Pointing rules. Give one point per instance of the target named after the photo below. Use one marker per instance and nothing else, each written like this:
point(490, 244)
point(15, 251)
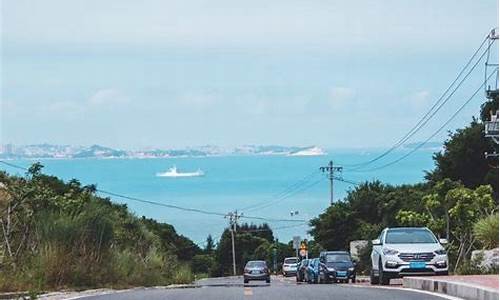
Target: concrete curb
point(71, 294)
point(451, 288)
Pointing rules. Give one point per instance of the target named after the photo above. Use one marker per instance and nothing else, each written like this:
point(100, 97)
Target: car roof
point(335, 252)
point(406, 228)
point(259, 261)
point(292, 257)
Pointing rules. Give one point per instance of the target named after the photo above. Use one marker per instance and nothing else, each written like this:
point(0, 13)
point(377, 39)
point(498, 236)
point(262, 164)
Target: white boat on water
point(173, 172)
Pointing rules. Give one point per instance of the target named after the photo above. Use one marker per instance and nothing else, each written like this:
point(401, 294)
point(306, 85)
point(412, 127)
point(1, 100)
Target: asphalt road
point(279, 289)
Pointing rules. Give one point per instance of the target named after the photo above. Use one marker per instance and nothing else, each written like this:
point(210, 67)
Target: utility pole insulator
point(330, 170)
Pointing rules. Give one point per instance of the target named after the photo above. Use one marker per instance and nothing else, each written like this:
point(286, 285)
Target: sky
point(146, 74)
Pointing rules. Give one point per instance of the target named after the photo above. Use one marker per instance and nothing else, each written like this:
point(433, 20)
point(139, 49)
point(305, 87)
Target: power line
point(341, 179)
point(435, 133)
point(188, 209)
point(196, 210)
point(433, 110)
point(13, 165)
point(295, 192)
point(290, 189)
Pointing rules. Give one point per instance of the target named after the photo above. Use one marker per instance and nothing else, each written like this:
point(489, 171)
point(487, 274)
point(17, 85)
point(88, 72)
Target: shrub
point(486, 231)
point(202, 263)
point(183, 274)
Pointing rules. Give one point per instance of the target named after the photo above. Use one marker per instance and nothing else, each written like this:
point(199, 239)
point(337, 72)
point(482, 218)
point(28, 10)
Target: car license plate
point(417, 265)
point(342, 273)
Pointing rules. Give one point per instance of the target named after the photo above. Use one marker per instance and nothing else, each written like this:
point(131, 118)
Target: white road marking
point(404, 289)
point(248, 291)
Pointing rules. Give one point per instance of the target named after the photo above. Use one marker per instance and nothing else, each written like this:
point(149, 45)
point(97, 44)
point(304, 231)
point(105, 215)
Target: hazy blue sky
point(138, 74)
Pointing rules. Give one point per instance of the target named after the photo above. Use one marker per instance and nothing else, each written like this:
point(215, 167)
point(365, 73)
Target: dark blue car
point(336, 266)
point(311, 275)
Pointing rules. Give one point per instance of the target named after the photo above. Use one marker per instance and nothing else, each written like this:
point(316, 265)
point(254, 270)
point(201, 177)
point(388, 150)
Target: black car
point(256, 270)
point(337, 266)
point(301, 269)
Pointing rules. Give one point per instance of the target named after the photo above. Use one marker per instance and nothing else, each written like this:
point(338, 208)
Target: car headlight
point(388, 251)
point(440, 252)
point(330, 269)
point(351, 269)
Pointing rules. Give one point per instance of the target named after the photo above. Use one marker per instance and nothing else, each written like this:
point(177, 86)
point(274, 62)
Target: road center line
point(248, 291)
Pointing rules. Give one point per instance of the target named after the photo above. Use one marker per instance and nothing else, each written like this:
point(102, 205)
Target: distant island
point(50, 151)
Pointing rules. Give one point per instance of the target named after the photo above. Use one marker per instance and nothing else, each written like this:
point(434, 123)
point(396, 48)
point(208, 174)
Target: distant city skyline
point(133, 75)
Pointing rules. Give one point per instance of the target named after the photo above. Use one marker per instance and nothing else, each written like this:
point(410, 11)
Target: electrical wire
point(432, 111)
point(187, 209)
point(291, 188)
point(295, 192)
point(420, 145)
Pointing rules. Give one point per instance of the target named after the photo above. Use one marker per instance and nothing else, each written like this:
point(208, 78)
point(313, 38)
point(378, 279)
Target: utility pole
point(330, 169)
point(491, 126)
point(233, 220)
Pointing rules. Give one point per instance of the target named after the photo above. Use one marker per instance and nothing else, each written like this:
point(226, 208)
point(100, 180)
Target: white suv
point(407, 251)
point(290, 265)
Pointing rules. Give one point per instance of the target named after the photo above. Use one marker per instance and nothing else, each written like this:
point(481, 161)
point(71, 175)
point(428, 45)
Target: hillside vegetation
point(56, 235)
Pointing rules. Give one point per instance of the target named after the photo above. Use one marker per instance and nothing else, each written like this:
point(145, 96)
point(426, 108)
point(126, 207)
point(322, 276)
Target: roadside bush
point(183, 274)
point(364, 265)
point(202, 263)
point(473, 267)
point(486, 231)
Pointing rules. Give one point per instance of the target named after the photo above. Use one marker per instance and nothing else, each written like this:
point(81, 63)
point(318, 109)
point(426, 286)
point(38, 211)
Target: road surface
point(279, 289)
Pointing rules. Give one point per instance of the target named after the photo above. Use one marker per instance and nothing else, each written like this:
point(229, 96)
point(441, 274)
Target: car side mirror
point(376, 242)
point(443, 241)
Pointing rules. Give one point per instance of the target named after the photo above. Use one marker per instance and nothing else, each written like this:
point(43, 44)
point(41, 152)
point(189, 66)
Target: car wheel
point(373, 278)
point(383, 279)
point(245, 280)
point(353, 280)
point(268, 280)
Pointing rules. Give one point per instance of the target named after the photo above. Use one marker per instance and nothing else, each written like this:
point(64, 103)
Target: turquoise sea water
point(231, 182)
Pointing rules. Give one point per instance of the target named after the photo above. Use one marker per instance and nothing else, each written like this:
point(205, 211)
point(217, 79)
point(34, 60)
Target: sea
point(283, 191)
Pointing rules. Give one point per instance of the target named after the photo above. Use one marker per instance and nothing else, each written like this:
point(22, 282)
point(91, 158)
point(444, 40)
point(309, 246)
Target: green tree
point(470, 206)
point(209, 248)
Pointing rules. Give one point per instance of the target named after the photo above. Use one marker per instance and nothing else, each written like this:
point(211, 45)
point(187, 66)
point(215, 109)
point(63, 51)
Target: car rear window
point(290, 260)
point(255, 264)
point(338, 257)
point(409, 236)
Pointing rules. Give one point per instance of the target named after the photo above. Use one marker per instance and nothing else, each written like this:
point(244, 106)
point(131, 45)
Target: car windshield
point(338, 257)
point(290, 260)
point(409, 236)
point(256, 264)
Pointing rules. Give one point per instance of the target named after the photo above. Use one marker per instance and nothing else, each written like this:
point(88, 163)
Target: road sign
point(303, 252)
point(296, 242)
point(303, 246)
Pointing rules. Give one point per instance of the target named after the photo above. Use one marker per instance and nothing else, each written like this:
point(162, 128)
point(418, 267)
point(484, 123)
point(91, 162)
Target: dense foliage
point(56, 234)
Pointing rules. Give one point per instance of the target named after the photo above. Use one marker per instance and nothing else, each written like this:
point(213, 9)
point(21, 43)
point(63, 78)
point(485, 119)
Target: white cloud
point(108, 97)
